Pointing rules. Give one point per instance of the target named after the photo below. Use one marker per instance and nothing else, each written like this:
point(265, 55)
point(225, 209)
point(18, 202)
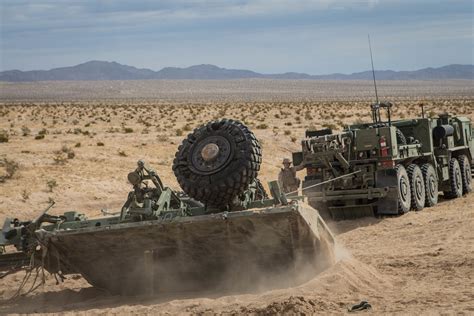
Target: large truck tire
point(217, 162)
point(455, 180)
point(465, 174)
point(417, 187)
point(431, 184)
point(403, 188)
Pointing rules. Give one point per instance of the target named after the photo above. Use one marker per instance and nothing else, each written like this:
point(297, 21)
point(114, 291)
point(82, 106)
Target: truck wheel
point(417, 187)
point(455, 180)
point(217, 162)
point(466, 174)
point(431, 184)
point(403, 187)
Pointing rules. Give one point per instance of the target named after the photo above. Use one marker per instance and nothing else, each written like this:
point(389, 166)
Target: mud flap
point(351, 211)
point(388, 204)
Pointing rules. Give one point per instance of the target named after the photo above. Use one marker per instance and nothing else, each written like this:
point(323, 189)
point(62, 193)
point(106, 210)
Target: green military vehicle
point(387, 167)
point(222, 232)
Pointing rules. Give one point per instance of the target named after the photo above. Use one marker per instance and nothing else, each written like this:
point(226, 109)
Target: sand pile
point(345, 283)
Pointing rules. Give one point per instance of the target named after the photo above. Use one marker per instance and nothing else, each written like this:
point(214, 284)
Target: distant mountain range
point(104, 70)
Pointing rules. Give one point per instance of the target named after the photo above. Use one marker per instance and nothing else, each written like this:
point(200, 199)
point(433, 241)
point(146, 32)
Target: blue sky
point(269, 36)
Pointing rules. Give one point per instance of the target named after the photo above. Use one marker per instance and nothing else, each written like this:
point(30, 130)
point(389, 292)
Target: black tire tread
point(465, 166)
point(400, 209)
point(425, 170)
point(453, 192)
point(220, 190)
point(416, 205)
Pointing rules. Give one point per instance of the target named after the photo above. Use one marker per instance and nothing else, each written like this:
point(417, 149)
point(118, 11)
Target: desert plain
point(75, 142)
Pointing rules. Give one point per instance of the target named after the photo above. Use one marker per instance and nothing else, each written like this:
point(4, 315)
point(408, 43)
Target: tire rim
point(404, 189)
point(432, 186)
point(211, 155)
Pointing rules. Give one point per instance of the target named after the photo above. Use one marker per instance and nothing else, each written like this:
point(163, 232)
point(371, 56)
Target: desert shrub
point(187, 128)
point(113, 130)
point(59, 158)
point(25, 131)
point(293, 139)
point(262, 126)
point(163, 138)
point(10, 167)
point(77, 145)
point(179, 132)
point(43, 131)
point(122, 153)
point(25, 195)
point(128, 130)
point(287, 132)
point(68, 151)
point(51, 184)
point(39, 136)
point(4, 136)
point(100, 144)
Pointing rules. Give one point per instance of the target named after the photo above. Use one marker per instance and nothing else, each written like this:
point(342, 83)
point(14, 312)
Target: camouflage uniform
point(287, 178)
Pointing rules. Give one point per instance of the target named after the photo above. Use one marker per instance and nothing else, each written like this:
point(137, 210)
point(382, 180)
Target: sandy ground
point(419, 263)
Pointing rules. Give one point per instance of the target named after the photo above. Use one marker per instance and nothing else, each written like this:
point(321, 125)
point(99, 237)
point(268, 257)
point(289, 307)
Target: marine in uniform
point(287, 178)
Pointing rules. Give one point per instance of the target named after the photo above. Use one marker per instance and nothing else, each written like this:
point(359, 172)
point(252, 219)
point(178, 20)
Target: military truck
point(222, 232)
point(391, 166)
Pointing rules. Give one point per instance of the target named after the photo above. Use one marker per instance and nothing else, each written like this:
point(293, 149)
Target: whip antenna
point(373, 71)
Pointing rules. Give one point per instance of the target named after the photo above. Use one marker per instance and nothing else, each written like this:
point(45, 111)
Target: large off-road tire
point(465, 174)
point(417, 187)
point(217, 162)
point(431, 184)
point(403, 188)
point(455, 180)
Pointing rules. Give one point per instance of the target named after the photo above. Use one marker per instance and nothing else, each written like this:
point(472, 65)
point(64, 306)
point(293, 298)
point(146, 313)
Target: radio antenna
point(373, 71)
